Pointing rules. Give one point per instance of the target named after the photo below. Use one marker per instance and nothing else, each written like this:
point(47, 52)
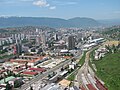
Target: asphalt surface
point(84, 71)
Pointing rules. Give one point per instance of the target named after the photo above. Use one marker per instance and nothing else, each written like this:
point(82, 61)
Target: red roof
point(30, 73)
point(90, 87)
point(1, 71)
point(37, 69)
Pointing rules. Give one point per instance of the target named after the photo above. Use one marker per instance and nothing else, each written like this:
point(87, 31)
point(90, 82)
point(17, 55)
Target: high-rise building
point(43, 38)
point(22, 36)
point(18, 47)
point(37, 30)
point(38, 40)
point(56, 37)
point(71, 42)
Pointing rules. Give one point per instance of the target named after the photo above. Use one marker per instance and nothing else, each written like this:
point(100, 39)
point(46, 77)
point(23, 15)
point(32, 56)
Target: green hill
point(108, 69)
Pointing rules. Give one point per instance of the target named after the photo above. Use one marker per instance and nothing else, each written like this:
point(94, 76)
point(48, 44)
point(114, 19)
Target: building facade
point(71, 42)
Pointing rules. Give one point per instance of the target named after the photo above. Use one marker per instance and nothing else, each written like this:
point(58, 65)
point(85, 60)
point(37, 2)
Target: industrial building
point(31, 60)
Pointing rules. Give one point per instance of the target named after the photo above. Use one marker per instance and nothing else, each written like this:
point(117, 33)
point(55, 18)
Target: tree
point(62, 69)
point(118, 46)
point(49, 76)
point(54, 73)
point(10, 73)
point(17, 84)
point(31, 88)
point(18, 75)
point(43, 54)
point(8, 86)
point(107, 47)
point(71, 55)
point(113, 48)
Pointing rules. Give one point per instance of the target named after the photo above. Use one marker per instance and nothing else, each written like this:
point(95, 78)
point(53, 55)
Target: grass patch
point(82, 60)
point(108, 70)
point(6, 56)
point(71, 77)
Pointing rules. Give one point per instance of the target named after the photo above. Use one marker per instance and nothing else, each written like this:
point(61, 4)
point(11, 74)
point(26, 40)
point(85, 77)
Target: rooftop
point(64, 82)
point(29, 73)
point(25, 59)
point(37, 69)
point(6, 79)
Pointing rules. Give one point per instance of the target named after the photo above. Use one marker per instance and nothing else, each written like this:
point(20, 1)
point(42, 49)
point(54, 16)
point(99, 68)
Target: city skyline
point(103, 9)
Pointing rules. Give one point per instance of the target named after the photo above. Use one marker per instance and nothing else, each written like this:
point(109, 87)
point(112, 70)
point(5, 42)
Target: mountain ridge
point(47, 21)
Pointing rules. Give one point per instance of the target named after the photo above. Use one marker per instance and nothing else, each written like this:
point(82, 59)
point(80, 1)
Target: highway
point(41, 76)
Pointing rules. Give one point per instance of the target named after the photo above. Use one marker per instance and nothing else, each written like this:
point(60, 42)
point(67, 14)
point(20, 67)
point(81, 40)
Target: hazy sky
point(97, 9)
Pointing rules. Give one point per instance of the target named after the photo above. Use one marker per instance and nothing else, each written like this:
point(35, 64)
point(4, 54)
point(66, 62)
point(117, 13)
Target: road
point(40, 76)
point(86, 76)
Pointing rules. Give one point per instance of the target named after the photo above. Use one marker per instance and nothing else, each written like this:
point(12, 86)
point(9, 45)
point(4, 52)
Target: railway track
point(87, 77)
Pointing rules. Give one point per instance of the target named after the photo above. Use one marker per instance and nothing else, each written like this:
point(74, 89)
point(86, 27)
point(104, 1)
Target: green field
point(92, 58)
point(71, 77)
point(108, 69)
point(82, 60)
point(6, 56)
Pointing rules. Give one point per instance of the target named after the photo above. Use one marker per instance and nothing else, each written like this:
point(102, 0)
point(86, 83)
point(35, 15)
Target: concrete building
point(71, 42)
point(56, 37)
point(18, 47)
point(38, 40)
point(52, 87)
point(43, 38)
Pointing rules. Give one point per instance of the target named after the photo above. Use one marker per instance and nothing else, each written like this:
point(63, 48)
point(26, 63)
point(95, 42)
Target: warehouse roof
point(30, 73)
point(37, 69)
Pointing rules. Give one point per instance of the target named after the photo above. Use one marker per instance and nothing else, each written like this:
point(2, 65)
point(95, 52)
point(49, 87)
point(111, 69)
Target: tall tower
point(71, 42)
point(37, 30)
point(18, 47)
point(56, 37)
point(38, 40)
point(43, 38)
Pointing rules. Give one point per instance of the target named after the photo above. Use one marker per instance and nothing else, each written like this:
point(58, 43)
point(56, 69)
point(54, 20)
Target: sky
point(96, 9)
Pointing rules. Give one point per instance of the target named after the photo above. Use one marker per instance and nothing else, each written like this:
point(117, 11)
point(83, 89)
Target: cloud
point(41, 3)
point(52, 7)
